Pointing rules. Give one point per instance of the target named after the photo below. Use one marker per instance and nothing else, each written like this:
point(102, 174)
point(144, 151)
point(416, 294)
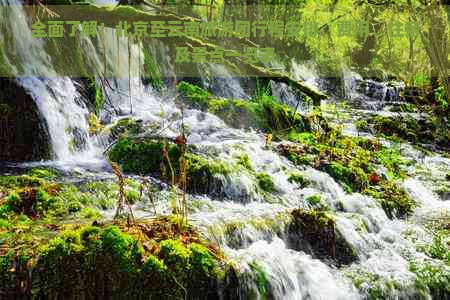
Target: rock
point(315, 233)
point(23, 132)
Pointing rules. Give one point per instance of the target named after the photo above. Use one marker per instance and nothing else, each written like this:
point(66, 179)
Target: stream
point(250, 225)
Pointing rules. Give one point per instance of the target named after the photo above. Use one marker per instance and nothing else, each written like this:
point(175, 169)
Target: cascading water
point(56, 97)
point(260, 243)
point(367, 93)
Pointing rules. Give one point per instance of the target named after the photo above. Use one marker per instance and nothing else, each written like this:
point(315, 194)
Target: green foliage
point(441, 98)
point(420, 80)
point(21, 181)
point(362, 125)
point(392, 160)
point(439, 248)
point(342, 174)
point(201, 260)
point(90, 213)
point(432, 130)
point(201, 172)
point(432, 278)
point(374, 286)
point(153, 264)
point(132, 196)
point(47, 204)
point(193, 263)
point(5, 68)
point(13, 199)
point(307, 138)
point(125, 250)
point(393, 199)
point(44, 173)
point(352, 163)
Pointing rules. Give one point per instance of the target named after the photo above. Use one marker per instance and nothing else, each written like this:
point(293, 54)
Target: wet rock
point(315, 233)
point(23, 132)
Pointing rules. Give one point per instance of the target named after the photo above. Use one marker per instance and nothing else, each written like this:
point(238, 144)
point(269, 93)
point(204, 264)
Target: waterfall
point(56, 97)
point(368, 93)
point(260, 244)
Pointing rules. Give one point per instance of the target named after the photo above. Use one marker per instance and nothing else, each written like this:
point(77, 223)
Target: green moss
point(182, 260)
point(201, 173)
point(299, 179)
point(5, 68)
point(263, 112)
point(4, 224)
point(260, 280)
point(352, 163)
point(153, 264)
point(95, 262)
point(392, 160)
point(393, 199)
point(132, 196)
point(21, 181)
point(430, 130)
point(47, 204)
point(152, 72)
point(439, 248)
point(90, 213)
point(265, 182)
point(243, 160)
point(351, 178)
point(432, 278)
point(362, 125)
point(314, 200)
point(44, 173)
point(125, 126)
point(314, 231)
point(193, 94)
point(374, 286)
point(142, 157)
point(307, 138)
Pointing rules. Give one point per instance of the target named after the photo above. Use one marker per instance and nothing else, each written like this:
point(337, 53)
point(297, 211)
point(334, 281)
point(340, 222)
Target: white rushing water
point(56, 97)
point(260, 244)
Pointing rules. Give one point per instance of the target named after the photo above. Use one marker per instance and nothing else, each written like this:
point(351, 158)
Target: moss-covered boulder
point(430, 130)
point(264, 113)
point(315, 232)
point(106, 262)
point(353, 163)
point(146, 156)
point(143, 156)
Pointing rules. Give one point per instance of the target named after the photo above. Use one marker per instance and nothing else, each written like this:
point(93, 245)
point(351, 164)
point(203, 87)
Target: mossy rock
point(352, 178)
point(104, 263)
point(202, 175)
point(315, 233)
point(143, 156)
point(430, 130)
point(394, 200)
point(125, 127)
point(265, 182)
point(299, 179)
point(264, 113)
